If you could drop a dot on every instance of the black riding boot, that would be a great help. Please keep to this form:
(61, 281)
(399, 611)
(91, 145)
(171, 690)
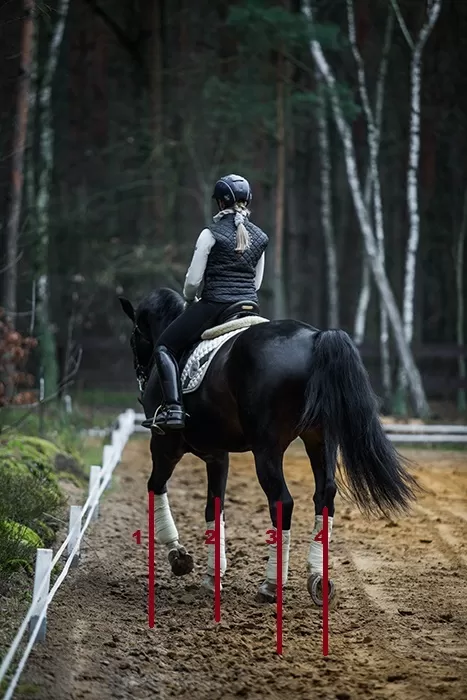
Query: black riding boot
(171, 414)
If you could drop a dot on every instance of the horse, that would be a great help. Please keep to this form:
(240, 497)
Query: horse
(269, 384)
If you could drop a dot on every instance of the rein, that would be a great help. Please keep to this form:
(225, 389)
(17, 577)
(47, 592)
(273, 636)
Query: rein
(143, 371)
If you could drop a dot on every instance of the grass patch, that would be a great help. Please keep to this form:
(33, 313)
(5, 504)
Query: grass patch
(31, 500)
(103, 400)
(91, 451)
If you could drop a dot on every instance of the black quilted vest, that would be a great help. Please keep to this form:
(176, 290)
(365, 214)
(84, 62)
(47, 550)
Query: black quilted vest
(230, 276)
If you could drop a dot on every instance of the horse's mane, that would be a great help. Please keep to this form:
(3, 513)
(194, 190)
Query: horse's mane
(157, 310)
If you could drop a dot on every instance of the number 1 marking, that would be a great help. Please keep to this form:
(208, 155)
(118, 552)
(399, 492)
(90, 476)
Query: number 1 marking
(137, 536)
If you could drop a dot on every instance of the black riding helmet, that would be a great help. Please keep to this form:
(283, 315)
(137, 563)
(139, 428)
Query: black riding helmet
(231, 189)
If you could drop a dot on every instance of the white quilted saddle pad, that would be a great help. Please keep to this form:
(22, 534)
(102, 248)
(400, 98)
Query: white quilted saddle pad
(213, 339)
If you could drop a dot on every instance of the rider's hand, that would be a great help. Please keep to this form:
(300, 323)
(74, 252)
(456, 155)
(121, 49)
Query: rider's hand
(189, 302)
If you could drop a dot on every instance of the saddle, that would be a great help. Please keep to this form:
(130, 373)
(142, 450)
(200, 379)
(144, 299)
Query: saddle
(234, 320)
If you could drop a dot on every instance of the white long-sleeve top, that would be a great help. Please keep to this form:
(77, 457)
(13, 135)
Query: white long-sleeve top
(195, 273)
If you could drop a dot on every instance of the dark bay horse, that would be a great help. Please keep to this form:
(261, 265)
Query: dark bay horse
(267, 386)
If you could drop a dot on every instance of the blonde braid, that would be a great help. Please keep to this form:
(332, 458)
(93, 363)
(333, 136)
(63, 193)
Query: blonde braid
(242, 241)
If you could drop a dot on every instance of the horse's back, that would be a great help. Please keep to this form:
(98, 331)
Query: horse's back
(269, 366)
(255, 386)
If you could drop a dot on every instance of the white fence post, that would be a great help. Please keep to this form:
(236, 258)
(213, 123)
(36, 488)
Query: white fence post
(43, 571)
(116, 438)
(107, 457)
(74, 528)
(94, 478)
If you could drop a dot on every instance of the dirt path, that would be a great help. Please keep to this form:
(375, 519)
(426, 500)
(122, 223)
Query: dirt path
(399, 631)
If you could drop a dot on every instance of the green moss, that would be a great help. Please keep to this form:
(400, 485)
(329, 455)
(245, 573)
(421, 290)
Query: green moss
(30, 500)
(24, 454)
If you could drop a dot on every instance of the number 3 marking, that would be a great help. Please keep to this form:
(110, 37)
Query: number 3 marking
(273, 536)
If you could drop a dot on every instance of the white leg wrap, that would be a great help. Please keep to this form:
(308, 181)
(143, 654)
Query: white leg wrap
(271, 567)
(315, 555)
(166, 532)
(211, 548)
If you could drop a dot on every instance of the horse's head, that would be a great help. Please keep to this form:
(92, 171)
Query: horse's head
(150, 318)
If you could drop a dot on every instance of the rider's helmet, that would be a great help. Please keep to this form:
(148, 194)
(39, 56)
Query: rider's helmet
(232, 189)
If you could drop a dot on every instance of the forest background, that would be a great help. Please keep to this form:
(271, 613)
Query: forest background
(348, 117)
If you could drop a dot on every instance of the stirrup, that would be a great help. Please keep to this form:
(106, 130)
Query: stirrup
(158, 428)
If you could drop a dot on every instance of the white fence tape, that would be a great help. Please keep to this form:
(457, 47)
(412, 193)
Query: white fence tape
(100, 476)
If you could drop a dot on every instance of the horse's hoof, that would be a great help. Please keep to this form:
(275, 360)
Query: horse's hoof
(315, 589)
(180, 561)
(267, 593)
(209, 585)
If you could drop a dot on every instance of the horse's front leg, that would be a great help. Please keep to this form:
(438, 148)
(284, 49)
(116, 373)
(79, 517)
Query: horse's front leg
(166, 452)
(269, 468)
(217, 468)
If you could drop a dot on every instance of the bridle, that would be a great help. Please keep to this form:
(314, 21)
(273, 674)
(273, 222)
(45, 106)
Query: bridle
(142, 371)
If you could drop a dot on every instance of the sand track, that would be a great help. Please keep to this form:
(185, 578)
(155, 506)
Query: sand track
(399, 630)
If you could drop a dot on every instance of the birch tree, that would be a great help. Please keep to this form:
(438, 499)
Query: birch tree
(365, 290)
(373, 131)
(433, 8)
(17, 170)
(46, 152)
(278, 284)
(326, 206)
(374, 259)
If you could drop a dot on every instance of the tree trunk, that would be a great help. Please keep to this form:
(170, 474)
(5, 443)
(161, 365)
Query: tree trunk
(434, 8)
(17, 170)
(326, 208)
(294, 248)
(49, 365)
(363, 301)
(374, 139)
(279, 291)
(365, 291)
(156, 136)
(374, 259)
(460, 335)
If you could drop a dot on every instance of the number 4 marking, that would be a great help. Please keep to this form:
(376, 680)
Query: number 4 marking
(319, 537)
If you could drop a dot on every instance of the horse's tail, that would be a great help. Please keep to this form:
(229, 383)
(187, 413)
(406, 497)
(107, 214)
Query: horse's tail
(340, 399)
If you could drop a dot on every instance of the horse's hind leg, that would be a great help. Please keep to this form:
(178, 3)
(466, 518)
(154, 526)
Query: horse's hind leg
(269, 468)
(166, 452)
(217, 467)
(325, 492)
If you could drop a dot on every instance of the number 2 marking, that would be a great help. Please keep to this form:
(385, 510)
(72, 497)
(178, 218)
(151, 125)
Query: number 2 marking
(210, 537)
(273, 536)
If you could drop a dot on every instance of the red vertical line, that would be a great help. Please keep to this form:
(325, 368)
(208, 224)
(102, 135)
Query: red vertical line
(151, 561)
(325, 583)
(217, 559)
(279, 579)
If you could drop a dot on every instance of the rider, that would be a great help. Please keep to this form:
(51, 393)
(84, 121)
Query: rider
(229, 259)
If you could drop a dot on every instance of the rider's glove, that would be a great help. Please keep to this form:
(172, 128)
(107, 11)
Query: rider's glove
(189, 302)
